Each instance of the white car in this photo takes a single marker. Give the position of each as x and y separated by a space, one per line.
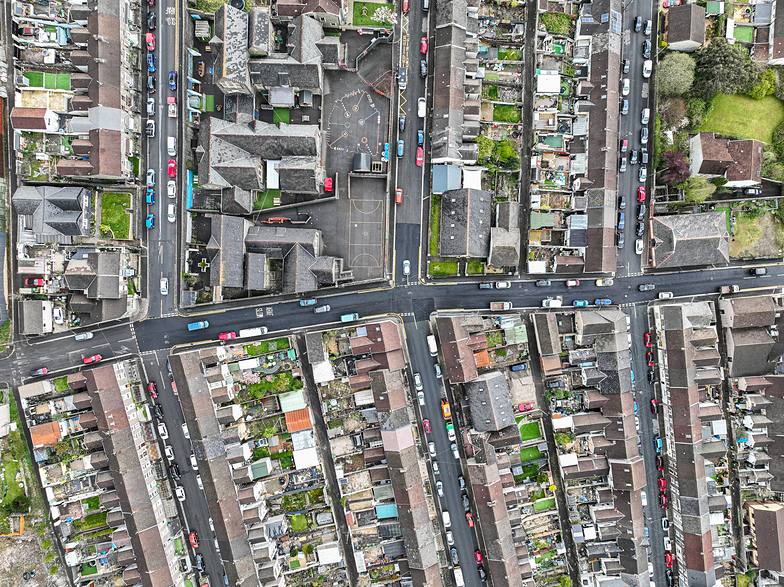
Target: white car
418 382
179 492
185 430
666 295
644 498
59 315
169 452
638 246
198 482
625 87
151 106
171 189
162 431
406 267
84 336
502 285
440 488
421 398
194 464
164 286
431 446
450 539
171 215
212 527
647 68
645 116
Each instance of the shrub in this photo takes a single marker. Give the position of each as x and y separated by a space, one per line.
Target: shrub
778 140
765 86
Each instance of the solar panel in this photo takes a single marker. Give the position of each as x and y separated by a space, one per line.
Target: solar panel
605 17
616 22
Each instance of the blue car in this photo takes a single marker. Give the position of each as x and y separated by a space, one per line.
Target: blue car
632 372
172 80
150 196
580 303
150 221
657 443
150 62
635 407
386 151
420 137
307 303
400 144
603 302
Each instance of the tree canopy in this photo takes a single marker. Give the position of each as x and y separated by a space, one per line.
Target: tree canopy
675 74
724 69
698 189
677 168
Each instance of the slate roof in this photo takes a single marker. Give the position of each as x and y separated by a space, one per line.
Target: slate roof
300 175
686 23
229 47
690 240
55 212
465 223
304 32
490 402
260 37
256 271
236 201
505 236
225 249
97 276
458 356
284 70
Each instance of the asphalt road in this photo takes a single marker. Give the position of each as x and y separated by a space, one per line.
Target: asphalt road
629 129
162 240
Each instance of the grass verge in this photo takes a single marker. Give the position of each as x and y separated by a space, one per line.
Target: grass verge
369 8
435 223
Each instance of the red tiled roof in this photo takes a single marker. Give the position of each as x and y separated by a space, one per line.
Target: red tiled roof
45 434
298 420
482 359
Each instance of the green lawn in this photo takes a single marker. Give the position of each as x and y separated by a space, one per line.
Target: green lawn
544 504
360 20
743 33
744 117
556 22
442 269
268 346
475 267
61 384
299 523
280 115
492 76
114 215
505 113
530 454
435 223
510 54
530 431
266 199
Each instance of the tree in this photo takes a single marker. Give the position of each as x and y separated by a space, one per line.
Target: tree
486 146
724 69
512 164
778 140
565 581
676 167
542 478
765 86
698 189
675 74
698 110
563 438
20 504
504 150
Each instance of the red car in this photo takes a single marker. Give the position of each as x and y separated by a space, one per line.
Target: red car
423 45
420 157
649 357
654 407
526 406
91 359
152 389
668 559
478 557
399 196
648 339
172 168
227 335
193 539
660 462
34 282
328 184
662 484
640 194
426 425
405 6
572 282
663 501
469 520
150 39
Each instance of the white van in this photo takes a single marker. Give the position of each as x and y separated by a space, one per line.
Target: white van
421 107
447 520
171 146
552 303
431 345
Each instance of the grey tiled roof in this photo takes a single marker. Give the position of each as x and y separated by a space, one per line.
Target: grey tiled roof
465 223
690 239
490 402
236 201
32 321
304 32
260 32
229 47
300 175
225 244
284 70
505 236
55 211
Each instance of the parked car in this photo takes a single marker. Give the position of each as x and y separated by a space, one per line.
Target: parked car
150 177
420 156
400 145
620 240
638 246
543 283
645 115
478 557
572 283
663 501
39 372
420 137
647 287
633 158
640 194
651 376
34 282
503 284
753 191
646 49
758 271
172 80
660 462
179 491
423 45
152 389
157 411
626 65
469 520
91 359
624 145
162 432
193 538
151 21
149 39
423 68
227 335
637 24
665 523
626 87
666 295
605 282
648 27
455 559
644 136
174 469
624 107
152 85
172 168
647 69
440 488
662 484
640 228
426 426
151 69
580 303
622 167
431 447
185 430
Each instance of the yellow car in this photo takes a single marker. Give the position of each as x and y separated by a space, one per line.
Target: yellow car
607 282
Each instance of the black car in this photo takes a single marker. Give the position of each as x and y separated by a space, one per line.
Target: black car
482 574
646 49
423 68
466 503
669 578
151 84
158 411
200 562
646 287
175 471
151 21
461 480
626 65
633 158
401 122
485 286
651 376
640 228
620 240
637 24
543 283
759 271
455 559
